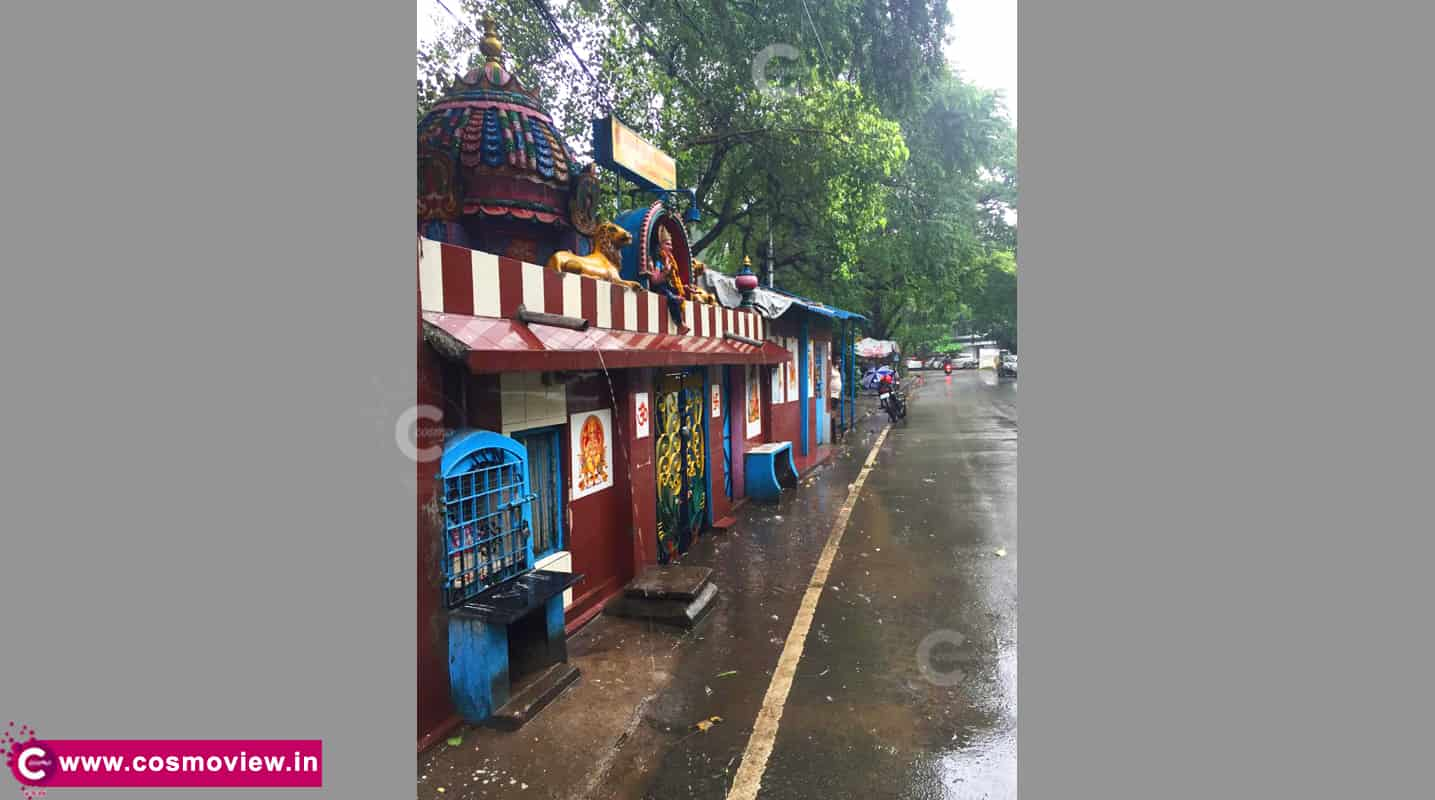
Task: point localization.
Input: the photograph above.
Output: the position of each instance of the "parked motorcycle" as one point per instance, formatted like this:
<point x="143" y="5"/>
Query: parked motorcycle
<point x="892" y="401"/>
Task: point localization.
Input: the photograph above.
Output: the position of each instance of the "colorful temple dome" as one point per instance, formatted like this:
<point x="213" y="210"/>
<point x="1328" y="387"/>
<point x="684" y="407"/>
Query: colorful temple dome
<point x="488" y="148"/>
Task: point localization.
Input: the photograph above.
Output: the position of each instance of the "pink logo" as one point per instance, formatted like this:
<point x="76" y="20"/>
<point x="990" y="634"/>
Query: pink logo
<point x="159" y="763"/>
<point x="31" y="761"/>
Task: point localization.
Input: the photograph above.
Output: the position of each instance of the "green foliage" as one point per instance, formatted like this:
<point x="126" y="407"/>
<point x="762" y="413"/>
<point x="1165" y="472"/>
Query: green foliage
<point x="885" y="184"/>
<point x="993" y="296"/>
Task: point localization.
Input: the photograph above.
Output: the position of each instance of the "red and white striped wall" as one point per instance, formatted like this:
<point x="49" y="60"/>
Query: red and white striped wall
<point x="456" y="280"/>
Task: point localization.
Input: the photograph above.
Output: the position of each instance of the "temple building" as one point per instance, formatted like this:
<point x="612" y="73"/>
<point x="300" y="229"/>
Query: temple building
<point x="604" y="403"/>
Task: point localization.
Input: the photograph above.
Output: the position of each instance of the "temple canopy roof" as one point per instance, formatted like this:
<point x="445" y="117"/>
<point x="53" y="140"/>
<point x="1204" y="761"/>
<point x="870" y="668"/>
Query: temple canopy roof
<point x="489" y="147"/>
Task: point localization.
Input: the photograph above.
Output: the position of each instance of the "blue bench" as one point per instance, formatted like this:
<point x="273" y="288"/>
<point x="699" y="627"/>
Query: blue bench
<point x="769" y="469"/>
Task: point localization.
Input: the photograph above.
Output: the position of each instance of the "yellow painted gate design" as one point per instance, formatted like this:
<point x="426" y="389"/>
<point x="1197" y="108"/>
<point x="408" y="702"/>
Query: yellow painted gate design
<point x="680" y="450"/>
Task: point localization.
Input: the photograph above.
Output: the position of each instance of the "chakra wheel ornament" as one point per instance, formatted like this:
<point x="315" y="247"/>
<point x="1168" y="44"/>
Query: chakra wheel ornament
<point x="583" y="207"/>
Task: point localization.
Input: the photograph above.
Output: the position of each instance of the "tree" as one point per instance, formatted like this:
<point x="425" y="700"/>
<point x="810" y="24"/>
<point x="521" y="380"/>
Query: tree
<point x="993" y="297"/>
<point x="917" y="273"/>
<point x="880" y="178"/>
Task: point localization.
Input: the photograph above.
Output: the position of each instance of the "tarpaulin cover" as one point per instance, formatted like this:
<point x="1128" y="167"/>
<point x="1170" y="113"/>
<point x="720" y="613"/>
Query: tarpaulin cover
<point x="876" y="348"/>
<point x="766" y="302"/>
<point x="822" y="308"/>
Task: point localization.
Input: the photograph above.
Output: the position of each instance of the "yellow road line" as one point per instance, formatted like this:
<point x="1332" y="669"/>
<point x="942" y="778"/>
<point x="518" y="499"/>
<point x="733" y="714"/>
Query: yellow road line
<point x="764" y="730"/>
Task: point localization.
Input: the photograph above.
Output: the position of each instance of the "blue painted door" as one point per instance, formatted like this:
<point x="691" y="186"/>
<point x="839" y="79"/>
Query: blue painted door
<point x="819" y="371"/>
<point x="545" y="478"/>
<point x="726" y="434"/>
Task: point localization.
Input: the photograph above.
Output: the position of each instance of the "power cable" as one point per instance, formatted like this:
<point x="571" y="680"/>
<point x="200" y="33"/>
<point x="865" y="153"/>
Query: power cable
<point x="552" y="23"/>
<point x="822" y="48"/>
<point x="542" y="8"/>
<point x="461" y="23"/>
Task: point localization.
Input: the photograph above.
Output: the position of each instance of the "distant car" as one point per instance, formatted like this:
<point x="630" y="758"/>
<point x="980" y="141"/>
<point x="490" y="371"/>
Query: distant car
<point x="1006" y="365"/>
<point x="936" y="362"/>
<point x="965" y="361"/>
<point x="913" y="363"/>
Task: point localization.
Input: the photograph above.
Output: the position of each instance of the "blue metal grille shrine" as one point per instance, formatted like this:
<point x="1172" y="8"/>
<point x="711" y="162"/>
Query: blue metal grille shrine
<point x="487" y="513"/>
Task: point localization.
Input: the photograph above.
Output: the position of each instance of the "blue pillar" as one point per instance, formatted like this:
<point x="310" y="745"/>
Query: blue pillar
<point x="852" y="360"/>
<point x="840" y="337"/>
<point x="846" y="377"/>
<point x="804" y="373"/>
<point x="708" y="451"/>
<point x="820" y="392"/>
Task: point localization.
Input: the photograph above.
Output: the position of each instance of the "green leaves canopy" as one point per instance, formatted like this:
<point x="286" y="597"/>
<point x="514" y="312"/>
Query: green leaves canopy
<point x="885" y="183"/>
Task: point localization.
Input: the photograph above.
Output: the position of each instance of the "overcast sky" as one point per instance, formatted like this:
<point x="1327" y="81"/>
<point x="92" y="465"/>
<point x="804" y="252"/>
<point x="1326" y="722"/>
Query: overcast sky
<point x="982" y="46"/>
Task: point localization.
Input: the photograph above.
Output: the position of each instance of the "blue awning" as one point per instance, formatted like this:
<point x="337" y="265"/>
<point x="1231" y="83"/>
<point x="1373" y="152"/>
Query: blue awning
<point x="821" y="308"/>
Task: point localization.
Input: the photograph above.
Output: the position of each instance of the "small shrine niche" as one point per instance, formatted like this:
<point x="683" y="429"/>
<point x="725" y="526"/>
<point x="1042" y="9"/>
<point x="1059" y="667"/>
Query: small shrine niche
<point x="650" y="228"/>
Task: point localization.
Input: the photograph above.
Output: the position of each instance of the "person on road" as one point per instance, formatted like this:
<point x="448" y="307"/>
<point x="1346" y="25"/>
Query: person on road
<point x="834" y="397"/>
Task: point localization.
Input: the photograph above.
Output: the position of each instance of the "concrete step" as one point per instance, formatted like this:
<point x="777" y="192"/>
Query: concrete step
<point x="533" y="696"/>
<point x="673" y="582"/>
<point x="672" y="595"/>
<point x="684" y="613"/>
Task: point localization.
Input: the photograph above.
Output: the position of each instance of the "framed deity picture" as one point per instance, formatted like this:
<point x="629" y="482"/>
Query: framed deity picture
<point x="591" y="443"/>
<point x="754" y="403"/>
<point x="793" y="348"/>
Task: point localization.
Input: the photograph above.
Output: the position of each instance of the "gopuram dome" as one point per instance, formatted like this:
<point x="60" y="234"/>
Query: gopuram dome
<point x="494" y="173"/>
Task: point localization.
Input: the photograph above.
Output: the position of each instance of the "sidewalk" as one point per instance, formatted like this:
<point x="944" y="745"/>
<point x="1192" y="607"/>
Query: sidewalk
<point x="644" y="686"/>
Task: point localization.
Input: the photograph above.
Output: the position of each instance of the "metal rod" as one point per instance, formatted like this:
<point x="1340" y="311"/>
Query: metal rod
<point x="737" y="337"/>
<point x="556" y="320"/>
<point x="771" y="266"/>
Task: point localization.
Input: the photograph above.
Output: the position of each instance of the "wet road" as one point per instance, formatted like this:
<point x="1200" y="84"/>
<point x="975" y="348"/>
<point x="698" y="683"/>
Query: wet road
<point x="865" y="717"/>
<point x="907" y="686"/>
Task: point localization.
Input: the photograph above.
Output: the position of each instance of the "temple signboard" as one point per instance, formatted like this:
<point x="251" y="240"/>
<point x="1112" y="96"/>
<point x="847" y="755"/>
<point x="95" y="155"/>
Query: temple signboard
<point x="620" y="148"/>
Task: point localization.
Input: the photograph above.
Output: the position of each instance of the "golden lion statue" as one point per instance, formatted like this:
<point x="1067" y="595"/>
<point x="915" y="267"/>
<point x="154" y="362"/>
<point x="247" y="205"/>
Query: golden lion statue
<point x="700" y="295"/>
<point x="608" y="239"/>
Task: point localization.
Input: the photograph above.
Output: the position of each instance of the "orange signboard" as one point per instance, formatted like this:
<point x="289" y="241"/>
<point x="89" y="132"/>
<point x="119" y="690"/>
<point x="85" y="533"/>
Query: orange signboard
<point x="633" y="153"/>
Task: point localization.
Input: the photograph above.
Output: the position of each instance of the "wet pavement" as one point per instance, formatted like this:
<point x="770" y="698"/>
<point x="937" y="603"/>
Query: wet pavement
<point x="874" y="713"/>
<point x="907" y="684"/>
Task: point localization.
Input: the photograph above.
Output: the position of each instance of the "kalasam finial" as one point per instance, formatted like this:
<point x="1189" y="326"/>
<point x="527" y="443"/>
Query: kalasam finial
<point x="491" y="47"/>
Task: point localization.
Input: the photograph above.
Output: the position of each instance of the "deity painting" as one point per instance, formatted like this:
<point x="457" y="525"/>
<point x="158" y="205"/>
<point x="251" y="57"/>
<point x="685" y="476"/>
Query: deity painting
<point x="754" y="404"/>
<point x="591" y="439"/>
<point x="523" y="250"/>
<point x="436" y="195"/>
<point x="792" y="347"/>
